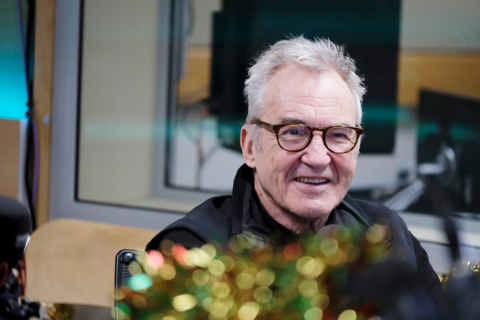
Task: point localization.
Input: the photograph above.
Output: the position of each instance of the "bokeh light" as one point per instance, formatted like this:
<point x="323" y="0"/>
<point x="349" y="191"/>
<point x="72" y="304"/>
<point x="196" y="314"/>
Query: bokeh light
<point x="313" y="314"/>
<point x="348" y="315"/>
<point x="138" y="301"/>
<point x="140" y="282"/>
<point x="376" y="233"/>
<point x="216" y="268"/>
<point x="200" y="277"/>
<point x="292" y="251"/>
<point x="167" y="272"/>
<point x="329" y="246"/>
<point x="245" y="281"/>
<point x="184" y="302"/>
<point x="263" y="294"/>
<point x="265" y="277"/>
<point x="155" y="259"/>
<point x="248" y="311"/>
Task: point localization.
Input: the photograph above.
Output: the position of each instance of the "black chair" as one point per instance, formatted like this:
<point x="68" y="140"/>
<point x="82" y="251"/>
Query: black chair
<point x="122" y="273"/>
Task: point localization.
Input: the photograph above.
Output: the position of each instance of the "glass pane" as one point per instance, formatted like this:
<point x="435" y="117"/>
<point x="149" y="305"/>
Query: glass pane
<point x="119" y="99"/>
<point x="197" y="160"/>
<point x="161" y="102"/>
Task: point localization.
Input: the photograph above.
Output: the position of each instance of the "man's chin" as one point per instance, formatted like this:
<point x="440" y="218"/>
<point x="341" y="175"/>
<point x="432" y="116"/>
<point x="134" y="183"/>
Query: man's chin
<point x="313" y="212"/>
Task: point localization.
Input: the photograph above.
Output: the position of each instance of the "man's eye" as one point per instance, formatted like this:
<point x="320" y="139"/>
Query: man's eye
<point x="339" y="135"/>
<point x="294" y="131"/>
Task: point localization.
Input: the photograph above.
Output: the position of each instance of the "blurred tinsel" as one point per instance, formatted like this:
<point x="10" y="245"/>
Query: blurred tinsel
<point x="251" y="280"/>
<point x="472" y="269"/>
<point x="60" y="311"/>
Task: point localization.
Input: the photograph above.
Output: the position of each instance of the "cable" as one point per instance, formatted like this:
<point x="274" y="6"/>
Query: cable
<point x="32" y="138"/>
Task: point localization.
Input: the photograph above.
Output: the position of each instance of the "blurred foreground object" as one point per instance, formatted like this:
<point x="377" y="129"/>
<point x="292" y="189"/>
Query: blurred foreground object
<point x="462" y="291"/>
<point x="474" y="271"/>
<point x="339" y="273"/>
<point x="62" y="311"/>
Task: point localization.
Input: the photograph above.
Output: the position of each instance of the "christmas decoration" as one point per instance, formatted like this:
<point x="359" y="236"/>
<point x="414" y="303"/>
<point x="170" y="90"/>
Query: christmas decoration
<point x="251" y="280"/>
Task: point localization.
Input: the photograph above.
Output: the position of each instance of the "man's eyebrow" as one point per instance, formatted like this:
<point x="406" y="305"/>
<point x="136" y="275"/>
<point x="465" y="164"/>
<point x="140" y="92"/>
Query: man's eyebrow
<point x="343" y="124"/>
<point x="291" y="121"/>
<point x="288" y="120"/>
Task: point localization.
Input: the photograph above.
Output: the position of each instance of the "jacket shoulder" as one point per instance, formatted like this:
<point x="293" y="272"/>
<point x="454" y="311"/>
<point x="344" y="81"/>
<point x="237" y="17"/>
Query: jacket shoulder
<point x="379" y="213"/>
<point x="212" y="206"/>
<point x="403" y="246"/>
<point x="211" y="220"/>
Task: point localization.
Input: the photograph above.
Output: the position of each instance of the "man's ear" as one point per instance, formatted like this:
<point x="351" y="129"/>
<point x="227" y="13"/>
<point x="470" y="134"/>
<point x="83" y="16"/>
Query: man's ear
<point x="247" y="146"/>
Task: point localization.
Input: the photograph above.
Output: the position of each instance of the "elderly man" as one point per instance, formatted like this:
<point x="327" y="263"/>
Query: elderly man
<point x="300" y="144"/>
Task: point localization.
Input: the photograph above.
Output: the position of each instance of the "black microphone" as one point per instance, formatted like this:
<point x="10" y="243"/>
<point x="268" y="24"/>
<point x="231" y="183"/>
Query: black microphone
<point x="15" y="227"/>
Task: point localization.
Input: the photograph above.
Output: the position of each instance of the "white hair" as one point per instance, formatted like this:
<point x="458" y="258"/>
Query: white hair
<point x="319" y="55"/>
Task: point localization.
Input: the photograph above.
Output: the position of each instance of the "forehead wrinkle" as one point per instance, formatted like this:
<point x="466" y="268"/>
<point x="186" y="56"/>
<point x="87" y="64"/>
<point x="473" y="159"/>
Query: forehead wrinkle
<point x="300" y="99"/>
<point x="325" y="118"/>
<point x="306" y="99"/>
<point x="315" y="102"/>
<point x="310" y="94"/>
<point x="324" y="106"/>
<point x="321" y="115"/>
<point x="295" y="120"/>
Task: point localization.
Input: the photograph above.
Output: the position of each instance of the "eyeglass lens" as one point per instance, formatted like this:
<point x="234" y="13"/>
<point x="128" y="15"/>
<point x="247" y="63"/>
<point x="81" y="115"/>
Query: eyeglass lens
<point x="296" y="137"/>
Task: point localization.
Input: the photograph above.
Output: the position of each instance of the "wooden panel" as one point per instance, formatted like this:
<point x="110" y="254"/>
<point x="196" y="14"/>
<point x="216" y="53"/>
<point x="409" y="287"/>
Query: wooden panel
<point x="42" y="99"/>
<point x="9" y="156"/>
<point x="457" y="73"/>
<point x="73" y="261"/>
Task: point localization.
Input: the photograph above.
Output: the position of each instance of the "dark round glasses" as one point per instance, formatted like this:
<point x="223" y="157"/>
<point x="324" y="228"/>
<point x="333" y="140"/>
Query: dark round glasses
<point x="296" y="137"/>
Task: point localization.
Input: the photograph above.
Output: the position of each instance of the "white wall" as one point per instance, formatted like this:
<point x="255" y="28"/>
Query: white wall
<point x="440" y="24"/>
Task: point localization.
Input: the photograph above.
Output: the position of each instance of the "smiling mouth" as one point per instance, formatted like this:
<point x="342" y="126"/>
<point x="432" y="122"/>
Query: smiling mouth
<point x="312" y="181"/>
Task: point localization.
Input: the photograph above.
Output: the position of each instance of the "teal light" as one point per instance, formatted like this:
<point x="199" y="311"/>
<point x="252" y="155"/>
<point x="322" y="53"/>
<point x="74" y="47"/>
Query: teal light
<point x="13" y="89"/>
<point x="380" y="113"/>
<point x="427" y="128"/>
<point x="140" y="282"/>
<point x="465" y="132"/>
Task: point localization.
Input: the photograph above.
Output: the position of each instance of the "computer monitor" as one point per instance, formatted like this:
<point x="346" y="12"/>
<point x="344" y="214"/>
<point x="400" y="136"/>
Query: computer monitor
<point x="452" y="121"/>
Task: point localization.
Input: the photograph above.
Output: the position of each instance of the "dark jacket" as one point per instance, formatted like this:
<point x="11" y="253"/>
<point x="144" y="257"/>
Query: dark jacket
<point x="220" y="218"/>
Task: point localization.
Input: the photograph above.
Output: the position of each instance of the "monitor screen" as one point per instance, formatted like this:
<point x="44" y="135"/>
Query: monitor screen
<point x="451" y="121"/>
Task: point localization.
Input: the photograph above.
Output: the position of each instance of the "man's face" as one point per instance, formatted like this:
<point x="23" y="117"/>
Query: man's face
<point x="297" y="95"/>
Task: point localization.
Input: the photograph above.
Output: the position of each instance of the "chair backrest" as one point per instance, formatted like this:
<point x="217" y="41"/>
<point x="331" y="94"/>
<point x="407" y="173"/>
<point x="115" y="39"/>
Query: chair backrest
<point x="122" y="261"/>
<point x="71" y="261"/>
<point x="122" y="270"/>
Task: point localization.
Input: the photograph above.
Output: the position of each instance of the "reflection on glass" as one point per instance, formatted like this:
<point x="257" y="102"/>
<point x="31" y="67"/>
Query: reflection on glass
<point x="197" y="160"/>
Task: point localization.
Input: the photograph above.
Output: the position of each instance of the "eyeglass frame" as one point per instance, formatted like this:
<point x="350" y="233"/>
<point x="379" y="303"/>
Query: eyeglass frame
<point x="276" y="128"/>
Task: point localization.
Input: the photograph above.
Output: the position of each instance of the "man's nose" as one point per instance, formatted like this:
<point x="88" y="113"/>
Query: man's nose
<point x="316" y="154"/>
